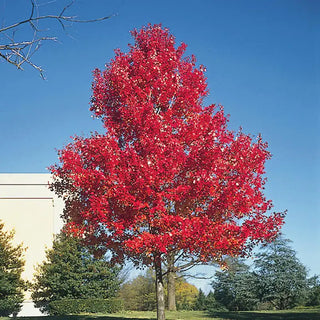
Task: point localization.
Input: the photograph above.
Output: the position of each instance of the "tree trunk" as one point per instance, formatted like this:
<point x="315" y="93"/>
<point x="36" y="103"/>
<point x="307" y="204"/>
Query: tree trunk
<point x="159" y="289"/>
<point x="171" y="283"/>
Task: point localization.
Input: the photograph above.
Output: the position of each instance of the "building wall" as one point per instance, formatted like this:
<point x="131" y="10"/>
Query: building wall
<point x="33" y="211"/>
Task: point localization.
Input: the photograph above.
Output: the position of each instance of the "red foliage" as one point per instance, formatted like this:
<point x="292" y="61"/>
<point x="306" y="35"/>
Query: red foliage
<point x="167" y="174"/>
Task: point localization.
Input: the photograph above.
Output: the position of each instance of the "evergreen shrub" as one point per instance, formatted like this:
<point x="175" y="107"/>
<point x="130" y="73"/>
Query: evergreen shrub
<point x="77" y="306"/>
<point x="11" y="267"/>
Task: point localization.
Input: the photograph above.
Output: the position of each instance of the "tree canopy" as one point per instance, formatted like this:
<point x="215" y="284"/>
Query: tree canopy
<point x="167" y="175"/>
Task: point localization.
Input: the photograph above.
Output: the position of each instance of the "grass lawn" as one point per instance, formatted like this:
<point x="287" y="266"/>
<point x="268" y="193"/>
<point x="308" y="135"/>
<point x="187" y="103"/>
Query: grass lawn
<point x="298" y="314"/>
<point x="295" y="314"/>
<point x="133" y="315"/>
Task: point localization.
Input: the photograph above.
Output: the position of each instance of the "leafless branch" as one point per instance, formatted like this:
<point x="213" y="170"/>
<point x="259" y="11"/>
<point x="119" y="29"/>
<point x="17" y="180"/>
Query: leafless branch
<point x="199" y="276"/>
<point x="17" y="52"/>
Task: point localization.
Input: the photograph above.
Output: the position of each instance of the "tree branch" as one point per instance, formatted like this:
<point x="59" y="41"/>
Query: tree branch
<point x="19" y="52"/>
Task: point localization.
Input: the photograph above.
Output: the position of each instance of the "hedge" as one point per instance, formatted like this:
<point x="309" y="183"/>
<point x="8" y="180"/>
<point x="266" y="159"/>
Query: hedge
<point x="76" y="306"/>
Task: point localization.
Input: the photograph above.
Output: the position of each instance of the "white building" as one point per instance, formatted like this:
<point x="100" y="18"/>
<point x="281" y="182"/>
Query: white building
<point x="33" y="211"/>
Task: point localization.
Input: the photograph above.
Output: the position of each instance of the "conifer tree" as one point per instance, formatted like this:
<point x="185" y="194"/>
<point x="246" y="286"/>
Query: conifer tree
<point x="71" y="272"/>
<point x="11" y="267"/>
<point x="281" y="277"/>
<point x="234" y="287"/>
<point x="200" y="303"/>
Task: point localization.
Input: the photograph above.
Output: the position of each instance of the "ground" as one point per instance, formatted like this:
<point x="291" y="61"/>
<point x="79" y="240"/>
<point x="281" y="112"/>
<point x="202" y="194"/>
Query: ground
<point x="296" y="314"/>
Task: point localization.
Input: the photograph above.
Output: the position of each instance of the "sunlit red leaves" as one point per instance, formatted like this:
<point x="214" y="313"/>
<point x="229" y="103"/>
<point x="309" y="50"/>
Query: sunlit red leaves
<point x="167" y="174"/>
<point x="151" y="73"/>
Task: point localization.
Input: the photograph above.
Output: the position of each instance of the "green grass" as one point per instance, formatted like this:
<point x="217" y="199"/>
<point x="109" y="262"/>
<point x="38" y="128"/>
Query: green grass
<point x="133" y="315"/>
<point x="296" y="314"/>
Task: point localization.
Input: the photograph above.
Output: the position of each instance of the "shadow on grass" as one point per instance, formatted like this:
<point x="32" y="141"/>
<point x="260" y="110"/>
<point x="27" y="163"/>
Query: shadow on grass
<point x="80" y="317"/>
<point x="247" y="315"/>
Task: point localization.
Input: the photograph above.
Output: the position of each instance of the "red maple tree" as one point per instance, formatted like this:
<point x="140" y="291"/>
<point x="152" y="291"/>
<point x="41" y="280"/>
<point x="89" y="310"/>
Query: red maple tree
<point x="167" y="175"/>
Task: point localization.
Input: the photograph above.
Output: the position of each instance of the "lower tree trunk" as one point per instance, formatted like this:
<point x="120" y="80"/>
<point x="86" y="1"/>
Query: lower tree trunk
<point x="159" y="289"/>
<point x="171" y="283"/>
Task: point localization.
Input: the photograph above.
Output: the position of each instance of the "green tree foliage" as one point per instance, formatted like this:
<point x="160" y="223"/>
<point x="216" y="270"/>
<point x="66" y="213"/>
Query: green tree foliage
<point x="279" y="280"/>
<point x="200" y="303"/>
<point x="186" y="294"/>
<point x="313" y="293"/>
<point x="11" y="267"/>
<point x="281" y="277"/>
<point x="234" y="287"/>
<point x="71" y="272"/>
<point x="212" y="304"/>
<point x="208" y="302"/>
<point x="139" y="293"/>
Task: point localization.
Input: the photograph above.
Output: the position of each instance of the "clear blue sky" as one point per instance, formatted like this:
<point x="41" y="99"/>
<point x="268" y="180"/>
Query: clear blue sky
<point x="262" y="60"/>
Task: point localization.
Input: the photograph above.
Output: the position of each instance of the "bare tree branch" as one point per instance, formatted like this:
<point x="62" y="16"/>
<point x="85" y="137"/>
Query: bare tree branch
<point x="17" y="52"/>
<point x="199" y="276"/>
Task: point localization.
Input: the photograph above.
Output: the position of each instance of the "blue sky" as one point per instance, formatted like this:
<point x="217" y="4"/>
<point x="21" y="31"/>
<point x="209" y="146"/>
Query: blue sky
<point x="262" y="60"/>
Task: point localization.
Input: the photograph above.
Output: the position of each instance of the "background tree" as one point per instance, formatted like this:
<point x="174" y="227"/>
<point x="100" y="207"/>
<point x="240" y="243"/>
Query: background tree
<point x="17" y="51"/>
<point x="313" y="292"/>
<point x="186" y="294"/>
<point x="139" y="294"/>
<point x="234" y="287"/>
<point x="212" y="304"/>
<point x="167" y="175"/>
<point x="178" y="264"/>
<point x="71" y="272"/>
<point x="278" y="280"/>
<point x="11" y="267"/>
<point x="208" y="302"/>
<point x="282" y="278"/>
<point x="200" y="303"/>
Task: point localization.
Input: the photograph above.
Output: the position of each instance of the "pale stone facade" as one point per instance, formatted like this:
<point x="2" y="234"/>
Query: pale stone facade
<point x="33" y="211"/>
